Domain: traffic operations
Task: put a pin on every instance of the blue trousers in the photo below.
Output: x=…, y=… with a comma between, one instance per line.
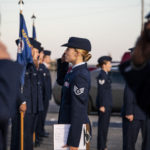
x=103, y=125
x=131, y=131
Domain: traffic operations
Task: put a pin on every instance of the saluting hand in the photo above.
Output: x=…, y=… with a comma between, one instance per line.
x=102, y=109
x=130, y=117
x=70, y=147
x=3, y=52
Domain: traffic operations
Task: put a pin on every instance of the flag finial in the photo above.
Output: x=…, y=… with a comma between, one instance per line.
x=20, y=2
x=33, y=17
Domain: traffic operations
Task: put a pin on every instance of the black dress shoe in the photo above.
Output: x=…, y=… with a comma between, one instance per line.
x=37, y=143
x=39, y=138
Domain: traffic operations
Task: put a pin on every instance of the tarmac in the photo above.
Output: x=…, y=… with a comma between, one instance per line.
x=114, y=134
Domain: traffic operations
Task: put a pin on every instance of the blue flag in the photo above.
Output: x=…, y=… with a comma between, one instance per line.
x=24, y=55
x=34, y=33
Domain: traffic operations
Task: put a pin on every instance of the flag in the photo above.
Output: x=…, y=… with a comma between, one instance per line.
x=24, y=55
x=34, y=32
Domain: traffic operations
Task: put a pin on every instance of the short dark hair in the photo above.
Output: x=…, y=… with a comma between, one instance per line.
x=104, y=62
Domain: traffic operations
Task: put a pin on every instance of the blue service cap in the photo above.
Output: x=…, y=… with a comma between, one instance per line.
x=41, y=49
x=47, y=52
x=104, y=58
x=80, y=43
x=35, y=43
x=148, y=16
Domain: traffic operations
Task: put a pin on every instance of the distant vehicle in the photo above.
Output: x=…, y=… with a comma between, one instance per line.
x=118, y=84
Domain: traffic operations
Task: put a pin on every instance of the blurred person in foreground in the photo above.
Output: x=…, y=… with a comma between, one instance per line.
x=136, y=72
x=10, y=94
x=133, y=117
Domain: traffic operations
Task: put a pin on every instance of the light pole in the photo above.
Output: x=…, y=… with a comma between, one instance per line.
x=142, y=15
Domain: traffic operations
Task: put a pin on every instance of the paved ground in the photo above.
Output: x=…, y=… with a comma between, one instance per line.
x=114, y=136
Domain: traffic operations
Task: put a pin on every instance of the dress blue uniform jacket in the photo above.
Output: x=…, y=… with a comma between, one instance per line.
x=130, y=105
x=73, y=109
x=46, y=82
x=10, y=74
x=139, y=82
x=32, y=90
x=104, y=93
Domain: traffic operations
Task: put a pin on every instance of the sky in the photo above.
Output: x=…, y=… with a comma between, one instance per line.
x=112, y=26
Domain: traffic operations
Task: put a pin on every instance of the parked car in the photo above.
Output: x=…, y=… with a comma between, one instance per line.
x=118, y=84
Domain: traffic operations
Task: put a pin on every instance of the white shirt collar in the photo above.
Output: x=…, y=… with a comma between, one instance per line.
x=46, y=65
x=78, y=65
x=105, y=71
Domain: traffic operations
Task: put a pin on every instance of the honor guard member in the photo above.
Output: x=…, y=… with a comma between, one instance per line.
x=10, y=72
x=75, y=90
x=104, y=101
x=44, y=67
x=36, y=83
x=32, y=93
x=39, y=125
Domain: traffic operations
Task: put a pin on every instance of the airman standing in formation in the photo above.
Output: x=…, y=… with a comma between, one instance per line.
x=44, y=67
x=33, y=93
x=104, y=101
x=75, y=91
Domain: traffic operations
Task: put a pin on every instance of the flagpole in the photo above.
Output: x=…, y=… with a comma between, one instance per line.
x=33, y=32
x=21, y=5
x=22, y=128
x=142, y=15
x=21, y=113
x=33, y=17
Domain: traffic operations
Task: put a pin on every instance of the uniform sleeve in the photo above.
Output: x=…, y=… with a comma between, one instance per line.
x=79, y=100
x=62, y=69
x=128, y=101
x=139, y=82
x=102, y=90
